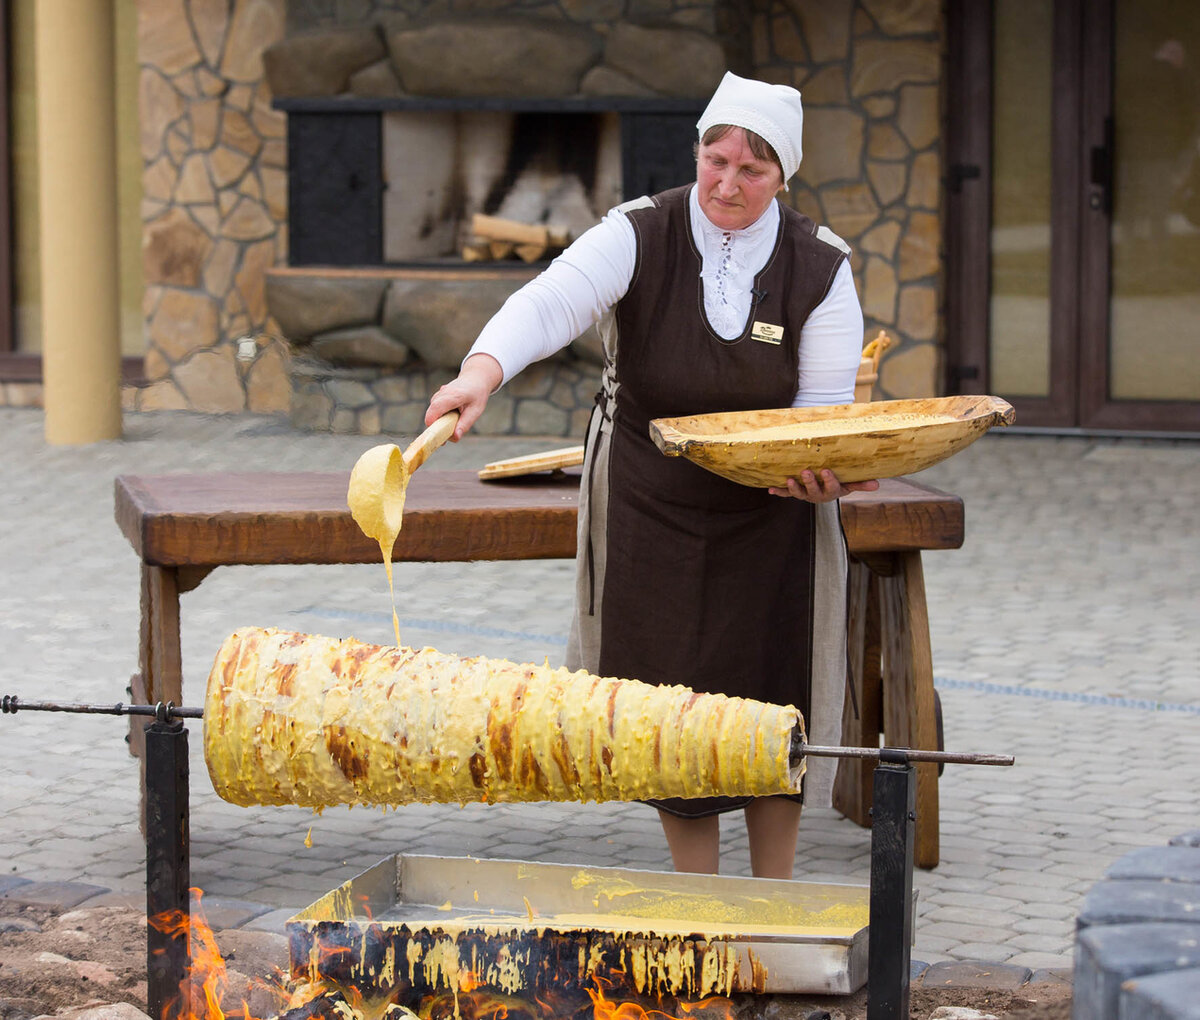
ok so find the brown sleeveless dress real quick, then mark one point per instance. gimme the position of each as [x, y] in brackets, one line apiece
[685, 577]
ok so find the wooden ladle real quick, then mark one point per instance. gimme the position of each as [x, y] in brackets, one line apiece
[380, 478]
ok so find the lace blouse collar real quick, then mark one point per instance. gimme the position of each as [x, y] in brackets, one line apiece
[730, 259]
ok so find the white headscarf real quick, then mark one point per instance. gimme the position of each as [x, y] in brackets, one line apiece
[771, 111]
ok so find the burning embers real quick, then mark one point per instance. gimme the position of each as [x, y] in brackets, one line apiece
[387, 958]
[363, 980]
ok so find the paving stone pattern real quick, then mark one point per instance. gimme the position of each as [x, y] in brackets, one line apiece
[1063, 633]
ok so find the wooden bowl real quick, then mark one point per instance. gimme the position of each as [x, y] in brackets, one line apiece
[855, 441]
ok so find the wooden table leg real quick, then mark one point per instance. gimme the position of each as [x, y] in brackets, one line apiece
[909, 713]
[862, 721]
[160, 665]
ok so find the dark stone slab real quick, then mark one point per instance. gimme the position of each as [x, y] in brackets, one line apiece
[959, 974]
[493, 57]
[54, 895]
[276, 921]
[320, 63]
[1189, 838]
[17, 924]
[1050, 978]
[916, 968]
[440, 319]
[1174, 996]
[129, 900]
[672, 60]
[360, 345]
[8, 882]
[226, 913]
[309, 304]
[1136, 900]
[254, 953]
[1108, 955]
[1163, 863]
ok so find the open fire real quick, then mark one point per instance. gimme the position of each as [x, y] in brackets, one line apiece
[314, 994]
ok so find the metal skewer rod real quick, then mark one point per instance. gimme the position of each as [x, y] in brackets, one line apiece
[899, 754]
[10, 704]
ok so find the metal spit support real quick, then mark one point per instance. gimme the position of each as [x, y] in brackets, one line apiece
[893, 836]
[168, 862]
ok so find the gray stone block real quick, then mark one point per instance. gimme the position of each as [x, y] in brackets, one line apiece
[1108, 955]
[1189, 838]
[275, 921]
[1174, 996]
[493, 57]
[360, 345]
[672, 61]
[8, 882]
[1161, 863]
[54, 895]
[440, 319]
[18, 924]
[221, 912]
[1136, 900]
[320, 63]
[959, 974]
[307, 304]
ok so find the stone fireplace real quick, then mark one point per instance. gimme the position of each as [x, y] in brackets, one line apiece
[422, 127]
[406, 117]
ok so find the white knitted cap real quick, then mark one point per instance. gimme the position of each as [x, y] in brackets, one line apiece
[772, 111]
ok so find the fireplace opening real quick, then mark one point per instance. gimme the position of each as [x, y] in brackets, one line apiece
[441, 168]
[395, 182]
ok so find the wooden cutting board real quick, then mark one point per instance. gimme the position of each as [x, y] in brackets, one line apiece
[550, 460]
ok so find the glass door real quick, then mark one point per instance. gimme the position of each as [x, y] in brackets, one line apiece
[1072, 210]
[1140, 316]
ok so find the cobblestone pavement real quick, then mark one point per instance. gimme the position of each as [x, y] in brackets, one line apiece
[1065, 632]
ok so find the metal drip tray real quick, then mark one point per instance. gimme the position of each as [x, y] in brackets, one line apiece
[448, 923]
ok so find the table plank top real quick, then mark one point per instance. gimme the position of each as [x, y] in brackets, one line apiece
[301, 517]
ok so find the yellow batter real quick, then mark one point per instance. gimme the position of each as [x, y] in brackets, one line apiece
[302, 719]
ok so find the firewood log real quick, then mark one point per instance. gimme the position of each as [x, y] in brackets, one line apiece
[476, 251]
[531, 252]
[494, 228]
[302, 719]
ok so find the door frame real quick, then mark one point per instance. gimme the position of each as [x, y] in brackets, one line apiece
[1082, 86]
[1097, 409]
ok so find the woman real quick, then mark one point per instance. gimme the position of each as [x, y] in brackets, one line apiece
[711, 297]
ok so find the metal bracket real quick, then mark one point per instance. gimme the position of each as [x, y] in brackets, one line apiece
[889, 935]
[168, 868]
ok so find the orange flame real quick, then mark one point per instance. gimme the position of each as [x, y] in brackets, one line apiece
[604, 1008]
[202, 991]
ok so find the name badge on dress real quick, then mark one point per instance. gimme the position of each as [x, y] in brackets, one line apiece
[767, 333]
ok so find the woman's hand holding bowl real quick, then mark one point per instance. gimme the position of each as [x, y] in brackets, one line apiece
[822, 487]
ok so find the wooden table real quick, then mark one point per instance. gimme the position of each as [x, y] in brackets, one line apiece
[184, 526]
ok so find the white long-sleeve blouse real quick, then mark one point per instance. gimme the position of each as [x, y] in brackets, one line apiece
[594, 273]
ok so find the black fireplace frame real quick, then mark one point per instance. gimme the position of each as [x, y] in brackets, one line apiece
[335, 161]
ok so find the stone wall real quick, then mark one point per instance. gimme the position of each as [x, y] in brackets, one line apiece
[870, 73]
[214, 206]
